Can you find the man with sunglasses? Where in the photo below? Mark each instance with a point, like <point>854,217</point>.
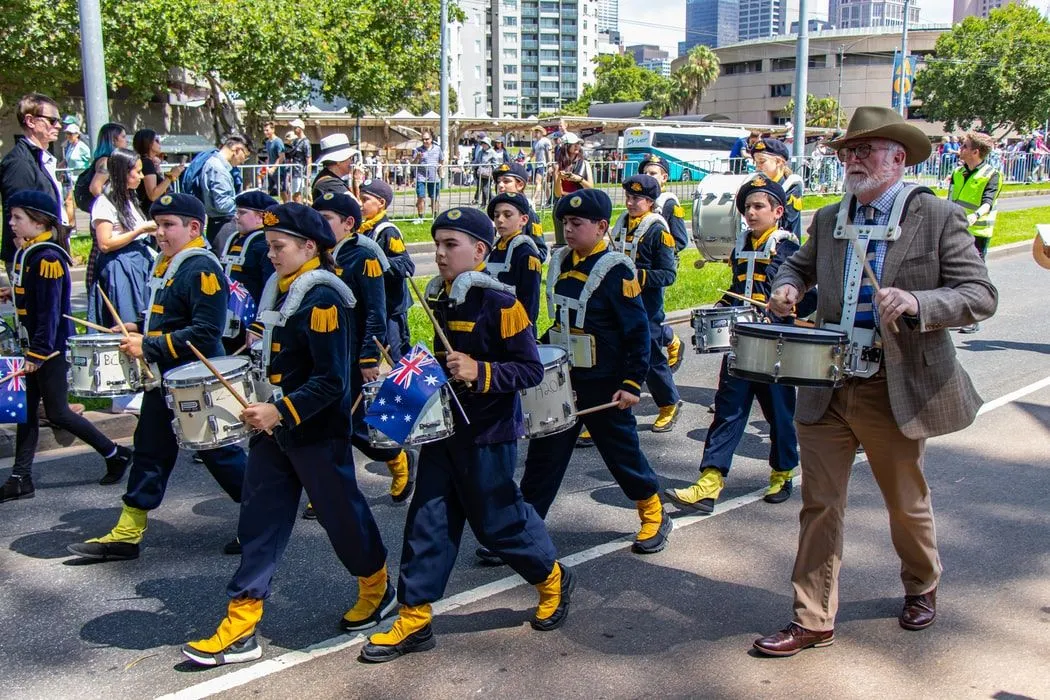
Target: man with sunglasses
<point>905,387</point>
<point>216,183</point>
<point>30,164</point>
<point>428,158</point>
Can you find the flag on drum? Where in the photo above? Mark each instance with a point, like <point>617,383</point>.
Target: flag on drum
<point>405,393</point>
<point>241,303</point>
<point>12,390</point>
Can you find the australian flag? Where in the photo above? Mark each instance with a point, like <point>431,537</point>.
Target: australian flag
<point>405,394</point>
<point>12,391</point>
<point>241,303</point>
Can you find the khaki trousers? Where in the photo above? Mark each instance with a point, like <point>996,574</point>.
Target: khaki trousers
<point>859,413</point>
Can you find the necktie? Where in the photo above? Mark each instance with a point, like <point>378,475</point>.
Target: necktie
<point>865,317</point>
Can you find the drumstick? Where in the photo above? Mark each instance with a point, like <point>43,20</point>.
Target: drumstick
<point>88,324</point>
<point>123,329</point>
<point>749,300</point>
<point>430,314</point>
<point>595,409</point>
<point>222,380</point>
<point>384,351</point>
<point>239,350</point>
<point>875,283</point>
<point>20,372</point>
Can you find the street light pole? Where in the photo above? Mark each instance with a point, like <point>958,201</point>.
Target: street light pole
<point>93,66</point>
<point>445,146</point>
<point>838,98</point>
<point>801,87</point>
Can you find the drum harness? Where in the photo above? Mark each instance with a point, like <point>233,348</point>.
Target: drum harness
<point>765,254</point>
<point>19,270</point>
<point>580,346</point>
<point>276,318</point>
<point>518,239</point>
<point>864,354</point>
<point>229,262</point>
<point>619,233</point>
<point>364,242</point>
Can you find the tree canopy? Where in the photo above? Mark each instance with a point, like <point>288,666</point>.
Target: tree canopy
<point>617,78</point>
<point>989,73</point>
<point>820,111</point>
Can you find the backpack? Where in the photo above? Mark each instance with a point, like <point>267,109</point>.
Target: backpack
<point>189,183</point>
<point>82,189</point>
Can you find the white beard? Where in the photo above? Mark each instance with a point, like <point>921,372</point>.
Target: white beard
<point>859,185</point>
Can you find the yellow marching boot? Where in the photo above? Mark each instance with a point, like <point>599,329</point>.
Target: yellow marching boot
<point>234,641</point>
<point>411,632</point>
<point>309,513</point>
<point>702,495</point>
<point>674,352</point>
<point>376,599</point>
<point>555,593</point>
<point>667,418</point>
<point>656,526</point>
<point>585,439</point>
<point>120,543</point>
<point>403,471</point>
<point>779,486</point>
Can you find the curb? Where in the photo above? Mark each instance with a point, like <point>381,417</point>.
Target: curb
<point>115,426</point>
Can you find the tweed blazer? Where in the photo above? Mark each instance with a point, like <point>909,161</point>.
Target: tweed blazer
<point>934,259</point>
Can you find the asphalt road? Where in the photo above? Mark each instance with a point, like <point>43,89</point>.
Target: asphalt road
<point>676,624</point>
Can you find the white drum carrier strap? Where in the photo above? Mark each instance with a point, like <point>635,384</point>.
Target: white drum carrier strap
<point>276,318</point>
<point>369,245</point>
<point>158,283</point>
<point>519,239</point>
<point>463,284</point>
<point>645,227</point>
<point>18,271</point>
<point>661,201</point>
<point>228,260</point>
<point>564,304</point>
<point>765,254</point>
<point>792,180</point>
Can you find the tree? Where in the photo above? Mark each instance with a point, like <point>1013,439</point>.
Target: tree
<point>699,72</point>
<point>617,78</point>
<point>820,111</point>
<point>428,99</point>
<point>989,72</point>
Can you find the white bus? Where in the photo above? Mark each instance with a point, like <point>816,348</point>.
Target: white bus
<point>691,152</point>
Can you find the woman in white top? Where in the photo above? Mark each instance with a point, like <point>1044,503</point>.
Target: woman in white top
<point>122,235</point>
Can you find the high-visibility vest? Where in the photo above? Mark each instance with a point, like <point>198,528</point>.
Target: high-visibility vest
<point>968,195</point>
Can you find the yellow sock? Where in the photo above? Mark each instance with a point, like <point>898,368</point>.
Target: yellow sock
<point>651,513</point>
<point>242,616</point>
<point>410,620</point>
<point>550,594</point>
<point>399,470</point>
<point>370,591</point>
<point>130,527</point>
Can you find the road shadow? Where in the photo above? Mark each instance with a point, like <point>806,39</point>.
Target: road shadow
<point>77,526</point>
<point>992,345</point>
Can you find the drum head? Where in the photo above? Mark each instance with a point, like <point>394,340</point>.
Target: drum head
<point>798,334</point>
<point>95,339</point>
<point>196,373</point>
<point>551,355</point>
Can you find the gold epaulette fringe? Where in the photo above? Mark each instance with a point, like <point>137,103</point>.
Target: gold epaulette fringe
<point>513,320</point>
<point>668,239</point>
<point>51,269</point>
<point>324,320</point>
<point>396,245</point>
<point>631,288</point>
<point>373,268</point>
<point>210,283</point>
<point>679,211</point>
<point>535,265</point>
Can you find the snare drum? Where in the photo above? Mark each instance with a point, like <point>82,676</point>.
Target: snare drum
<point>712,326</point>
<point>716,222</point>
<point>206,413</point>
<point>264,390</point>
<point>550,407</point>
<point>781,354</point>
<point>435,423</point>
<point>97,367</point>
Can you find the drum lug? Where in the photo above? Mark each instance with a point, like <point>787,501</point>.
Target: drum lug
<point>780,349</point>
<point>776,369</point>
<point>94,359</point>
<point>567,409</point>
<point>213,424</point>
<point>527,419</point>
<point>207,401</point>
<point>170,402</point>
<point>98,376</point>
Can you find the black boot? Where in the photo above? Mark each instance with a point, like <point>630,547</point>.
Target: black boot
<point>17,487</point>
<point>116,466</point>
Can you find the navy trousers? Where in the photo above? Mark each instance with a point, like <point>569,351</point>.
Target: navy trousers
<point>457,484</point>
<point>155,452</point>
<point>273,484</point>
<point>615,435</point>
<point>397,335</point>
<point>733,406</point>
<point>661,384</point>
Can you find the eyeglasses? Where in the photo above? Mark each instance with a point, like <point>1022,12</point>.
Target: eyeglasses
<point>859,152</point>
<point>53,121</point>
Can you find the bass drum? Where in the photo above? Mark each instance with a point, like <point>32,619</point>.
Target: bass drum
<point>716,222</point>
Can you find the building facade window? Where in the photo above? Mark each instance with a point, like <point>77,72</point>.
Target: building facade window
<point>780,90</point>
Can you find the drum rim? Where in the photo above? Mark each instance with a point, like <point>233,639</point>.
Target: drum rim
<point>720,310</point>
<point>94,339</point>
<point>764,378</point>
<point>171,378</point>
<point>563,355</point>
<point>774,331</point>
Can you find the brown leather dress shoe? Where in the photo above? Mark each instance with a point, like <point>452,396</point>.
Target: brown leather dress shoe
<point>919,611</point>
<point>793,639</point>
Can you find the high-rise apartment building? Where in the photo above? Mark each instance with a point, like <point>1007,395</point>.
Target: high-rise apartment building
<point>651,57</point>
<point>761,18</point>
<point>608,16</point>
<point>848,14</point>
<point>710,22</point>
<point>976,8</point>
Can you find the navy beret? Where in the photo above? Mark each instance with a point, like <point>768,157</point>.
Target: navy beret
<point>516,170</point>
<point>378,189</point>
<point>178,204</point>
<point>34,200</point>
<point>342,203</point>
<point>468,220</point>
<point>642,186</point>
<point>299,220</point>
<point>774,147</point>
<point>586,203</point>
<point>515,199</point>
<point>759,183</point>
<point>653,159</point>
<point>256,200</point>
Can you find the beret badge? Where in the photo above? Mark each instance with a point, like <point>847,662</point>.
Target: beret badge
<point>270,219</point>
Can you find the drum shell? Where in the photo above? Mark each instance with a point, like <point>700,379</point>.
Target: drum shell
<point>207,415</point>
<point>716,221</point>
<point>264,390</point>
<point>97,367</point>
<point>435,423</point>
<point>550,406</point>
<point>781,354</point>
<point>713,326</point>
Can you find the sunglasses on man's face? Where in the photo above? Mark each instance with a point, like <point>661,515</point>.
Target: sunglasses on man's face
<point>53,121</point>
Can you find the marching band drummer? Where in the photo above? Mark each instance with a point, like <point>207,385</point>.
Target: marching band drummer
<point>515,260</point>
<point>667,206</point>
<point>244,256</point>
<point>376,198</point>
<point>610,356</point>
<point>187,305</point>
<point>41,290</point>
<point>761,202</point>
<point>307,312</point>
<point>512,177</point>
<point>642,235</point>
<point>772,159</point>
<point>469,476</point>
<point>360,263</point>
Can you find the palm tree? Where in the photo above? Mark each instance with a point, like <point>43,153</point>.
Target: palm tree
<point>699,72</point>
<point>820,111</point>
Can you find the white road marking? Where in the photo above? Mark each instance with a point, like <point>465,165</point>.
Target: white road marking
<point>290,659</point>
